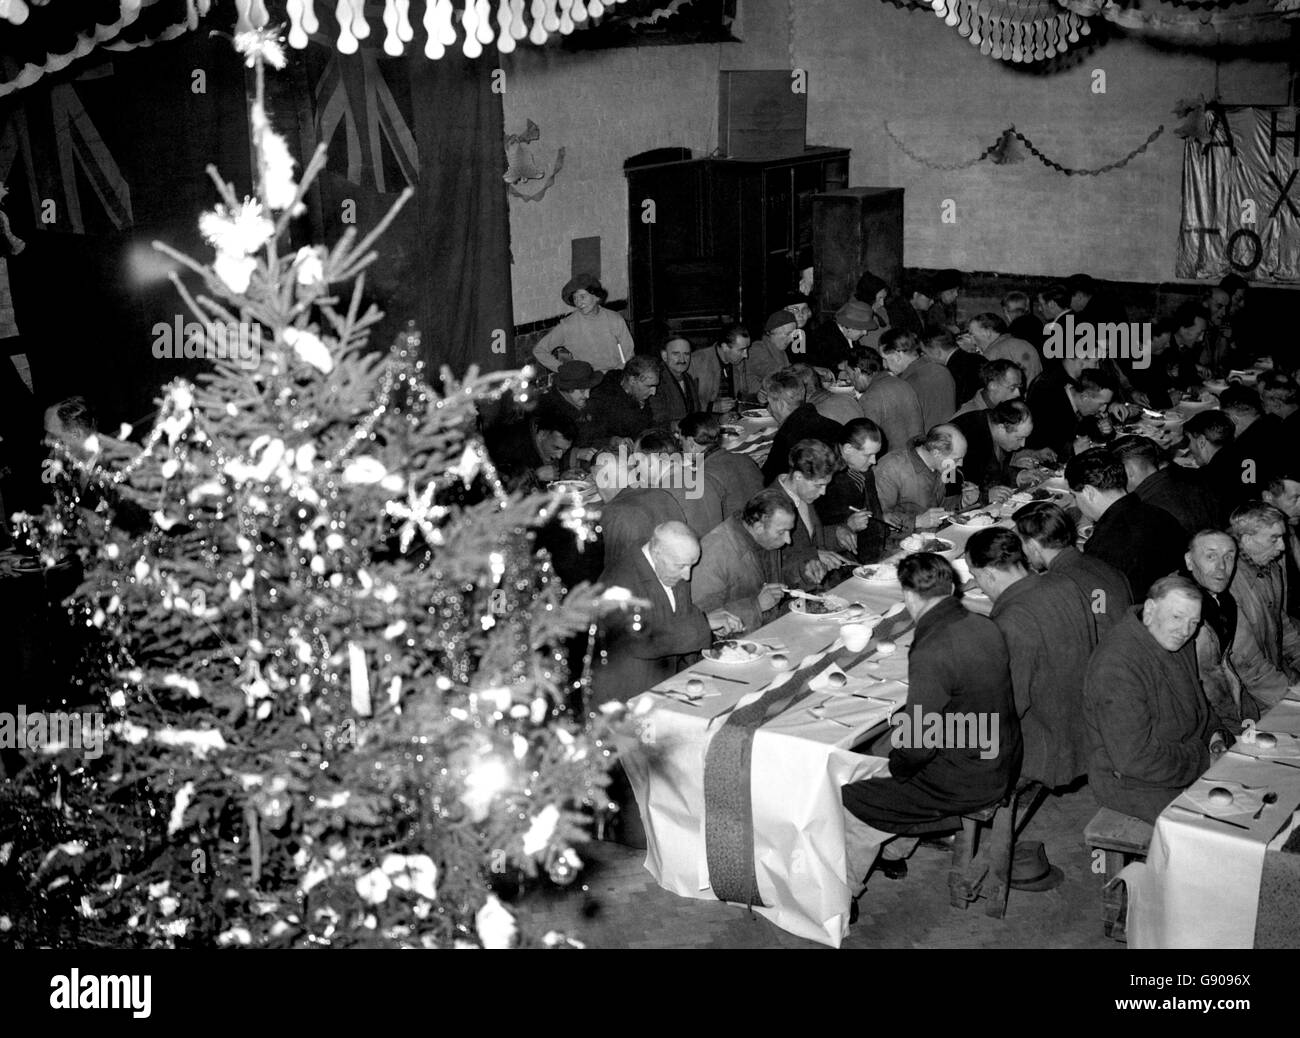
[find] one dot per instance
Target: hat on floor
(575, 374)
(1030, 869)
(856, 316)
(586, 282)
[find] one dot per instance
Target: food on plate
(1266, 740)
(758, 415)
(881, 572)
(1220, 796)
(817, 606)
(978, 519)
(922, 542)
(734, 652)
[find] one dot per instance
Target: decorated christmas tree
(332, 665)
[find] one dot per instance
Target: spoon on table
(1269, 798)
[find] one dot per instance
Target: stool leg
(1113, 900)
(1001, 839)
(963, 852)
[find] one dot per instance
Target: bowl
(1266, 740)
(856, 636)
(1220, 796)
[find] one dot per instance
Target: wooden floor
(616, 904)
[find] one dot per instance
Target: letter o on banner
(1256, 247)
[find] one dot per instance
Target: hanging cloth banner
(1241, 196)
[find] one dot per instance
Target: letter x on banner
(1241, 197)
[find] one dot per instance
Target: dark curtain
(86, 298)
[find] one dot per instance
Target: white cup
(856, 636)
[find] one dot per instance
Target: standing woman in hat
(590, 333)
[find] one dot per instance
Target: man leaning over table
(672, 630)
(958, 665)
(1150, 728)
(740, 560)
(811, 553)
(910, 481)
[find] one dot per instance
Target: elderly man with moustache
(1046, 622)
(621, 405)
(1049, 537)
(1266, 648)
(722, 372)
(740, 561)
(677, 394)
(671, 631)
(1211, 561)
(1151, 730)
(911, 480)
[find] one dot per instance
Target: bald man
(673, 628)
(910, 480)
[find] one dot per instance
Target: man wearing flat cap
(568, 396)
(833, 341)
(591, 333)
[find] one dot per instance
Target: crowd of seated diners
(1135, 625)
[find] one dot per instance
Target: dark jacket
(631, 517)
(958, 664)
(1142, 542)
(893, 405)
(1055, 419)
(706, 368)
(1187, 500)
(736, 476)
(673, 401)
(637, 660)
(826, 347)
(964, 367)
(836, 505)
(985, 463)
(552, 403)
(804, 423)
(1027, 327)
(1149, 724)
(1050, 633)
(615, 413)
(804, 543)
(1105, 587)
(1220, 680)
(935, 390)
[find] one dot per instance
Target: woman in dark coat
(958, 665)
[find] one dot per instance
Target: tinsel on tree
(331, 666)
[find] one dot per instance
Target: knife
(719, 677)
(1212, 818)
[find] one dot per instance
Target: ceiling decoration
(1034, 31)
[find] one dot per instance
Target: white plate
(758, 416)
(754, 650)
(838, 607)
(841, 389)
(878, 573)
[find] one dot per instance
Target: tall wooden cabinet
(855, 230)
(716, 240)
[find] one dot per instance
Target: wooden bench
(1122, 838)
(982, 867)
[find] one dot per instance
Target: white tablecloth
(1199, 887)
(799, 764)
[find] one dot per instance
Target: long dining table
(1223, 873)
(799, 758)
